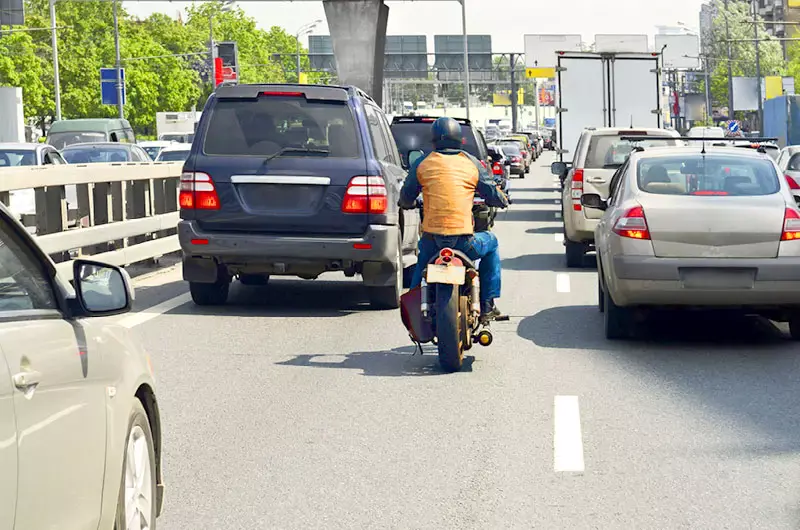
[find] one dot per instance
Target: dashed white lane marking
(558, 215)
(562, 283)
(567, 436)
(559, 238)
(152, 312)
(557, 201)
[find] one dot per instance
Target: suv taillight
(633, 224)
(365, 195)
(197, 192)
(497, 168)
(577, 189)
(791, 225)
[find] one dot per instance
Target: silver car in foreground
(80, 432)
(713, 227)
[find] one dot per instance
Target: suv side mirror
(102, 289)
(415, 155)
(593, 200)
(558, 168)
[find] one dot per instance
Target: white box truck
(176, 126)
(605, 90)
(12, 119)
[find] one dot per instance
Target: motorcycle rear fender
(468, 263)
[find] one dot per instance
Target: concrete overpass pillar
(358, 32)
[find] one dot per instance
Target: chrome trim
(280, 179)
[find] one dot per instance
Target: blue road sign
(108, 86)
(549, 122)
(733, 127)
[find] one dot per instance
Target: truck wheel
(574, 252)
(210, 293)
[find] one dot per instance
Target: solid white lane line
(567, 436)
(152, 312)
(558, 215)
(562, 283)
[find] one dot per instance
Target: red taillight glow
(633, 224)
(792, 183)
(199, 241)
(791, 225)
(362, 246)
(427, 120)
(446, 253)
(577, 189)
(197, 192)
(710, 192)
(497, 169)
(365, 195)
(281, 94)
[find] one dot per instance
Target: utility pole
(211, 48)
(730, 63)
(120, 108)
(466, 54)
(54, 42)
(758, 69)
(513, 63)
(536, 99)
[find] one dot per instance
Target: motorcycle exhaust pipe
(476, 293)
(423, 294)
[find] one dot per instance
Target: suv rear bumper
(378, 243)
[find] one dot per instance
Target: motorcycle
(445, 309)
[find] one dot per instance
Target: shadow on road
(535, 190)
(288, 298)
(397, 362)
(549, 200)
(546, 230)
(530, 216)
(742, 366)
(546, 262)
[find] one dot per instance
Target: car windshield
(60, 140)
(266, 126)
(608, 151)
(410, 136)
(173, 156)
(94, 155)
(186, 138)
(152, 151)
(710, 174)
(511, 150)
(17, 157)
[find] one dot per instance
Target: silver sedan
(713, 227)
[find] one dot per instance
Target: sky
(507, 20)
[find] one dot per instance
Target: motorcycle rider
(448, 178)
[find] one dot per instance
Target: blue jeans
(482, 245)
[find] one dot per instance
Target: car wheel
(136, 505)
(617, 320)
(794, 327)
(388, 297)
(254, 279)
(601, 301)
(210, 293)
(574, 252)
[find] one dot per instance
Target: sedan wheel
(136, 507)
(617, 320)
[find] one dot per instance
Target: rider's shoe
(489, 311)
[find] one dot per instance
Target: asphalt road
(297, 407)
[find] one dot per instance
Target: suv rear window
(417, 135)
(266, 125)
(610, 151)
(707, 175)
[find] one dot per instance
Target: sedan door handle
(25, 380)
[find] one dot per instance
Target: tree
(743, 49)
(21, 66)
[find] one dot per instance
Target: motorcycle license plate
(449, 274)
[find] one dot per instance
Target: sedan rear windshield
(91, 155)
(173, 156)
(411, 136)
(60, 140)
(714, 175)
(11, 157)
(293, 126)
(611, 151)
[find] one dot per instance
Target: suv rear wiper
(308, 150)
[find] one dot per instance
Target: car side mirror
(558, 168)
(797, 199)
(102, 289)
(415, 155)
(593, 200)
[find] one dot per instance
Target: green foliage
(743, 51)
(167, 67)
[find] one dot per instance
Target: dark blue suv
(294, 180)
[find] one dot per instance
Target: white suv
(598, 155)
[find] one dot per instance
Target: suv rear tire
(210, 293)
(574, 252)
(388, 297)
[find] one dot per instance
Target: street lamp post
(118, 64)
(54, 42)
(305, 29)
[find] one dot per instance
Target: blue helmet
(447, 134)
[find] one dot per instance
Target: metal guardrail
(125, 212)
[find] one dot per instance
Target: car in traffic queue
(105, 152)
(697, 226)
(528, 152)
(514, 149)
(80, 428)
(533, 141)
(294, 180)
(598, 155)
(153, 147)
(789, 163)
(413, 133)
(176, 152)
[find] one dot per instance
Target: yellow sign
(774, 85)
(503, 98)
(543, 73)
(303, 78)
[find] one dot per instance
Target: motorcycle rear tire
(448, 334)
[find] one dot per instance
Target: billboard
(12, 13)
(226, 62)
(621, 43)
(449, 58)
(540, 50)
(547, 94)
(320, 53)
(681, 52)
(406, 56)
